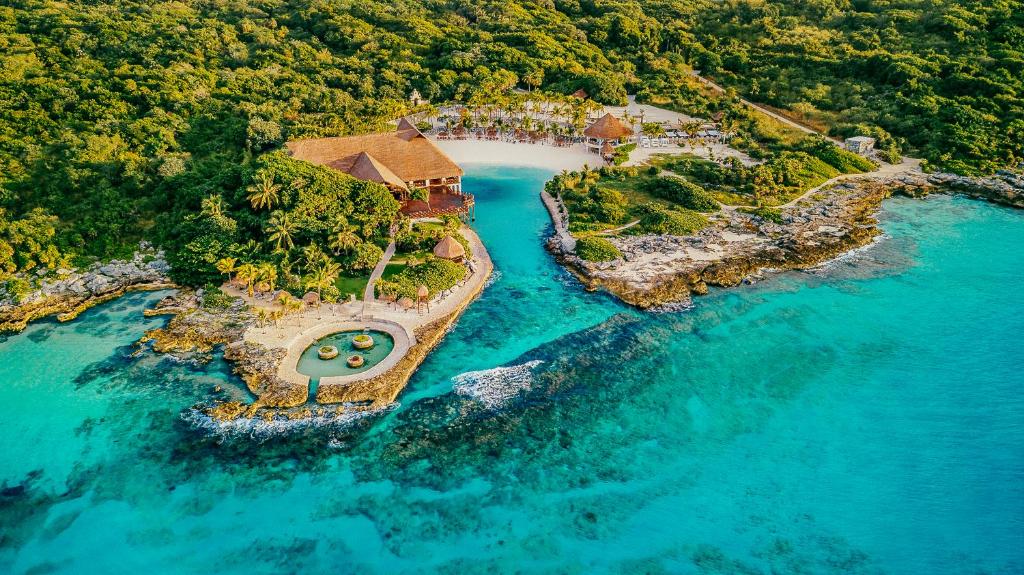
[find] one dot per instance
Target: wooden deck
(440, 204)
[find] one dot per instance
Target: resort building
(607, 130)
(862, 145)
(402, 160)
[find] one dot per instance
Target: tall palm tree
(323, 277)
(312, 255)
(343, 238)
(226, 266)
(212, 205)
(248, 274)
(267, 273)
(280, 228)
(262, 318)
(264, 192)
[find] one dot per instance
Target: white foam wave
(672, 307)
(845, 257)
(260, 429)
(495, 276)
(494, 387)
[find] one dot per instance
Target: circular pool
(310, 363)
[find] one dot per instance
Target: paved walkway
(370, 294)
(568, 243)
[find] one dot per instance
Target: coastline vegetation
(632, 199)
(126, 120)
(596, 249)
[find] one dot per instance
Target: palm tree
(226, 266)
(264, 192)
(343, 238)
(262, 318)
(212, 205)
(322, 278)
(267, 273)
(280, 229)
(311, 256)
(248, 274)
(294, 305)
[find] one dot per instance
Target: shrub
(435, 273)
(655, 219)
(622, 154)
(214, 298)
(595, 249)
(682, 192)
(765, 213)
(364, 257)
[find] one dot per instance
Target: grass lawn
(352, 285)
(393, 269)
(404, 257)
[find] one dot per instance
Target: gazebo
(450, 249)
(606, 130)
(311, 299)
(608, 152)
(422, 297)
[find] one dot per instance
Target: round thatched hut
(450, 249)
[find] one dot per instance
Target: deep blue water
(865, 417)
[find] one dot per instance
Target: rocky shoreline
(736, 247)
(1005, 187)
(656, 270)
(67, 293)
(196, 329)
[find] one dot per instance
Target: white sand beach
(512, 154)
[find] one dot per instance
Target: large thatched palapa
(606, 130)
(401, 160)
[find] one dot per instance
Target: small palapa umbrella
(449, 249)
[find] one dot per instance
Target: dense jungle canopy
(123, 120)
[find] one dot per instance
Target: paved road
(766, 111)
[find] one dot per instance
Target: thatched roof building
(449, 249)
(400, 159)
(608, 127)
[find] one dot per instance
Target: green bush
(595, 249)
(766, 213)
(364, 257)
(655, 219)
(214, 298)
(435, 273)
(622, 154)
(682, 192)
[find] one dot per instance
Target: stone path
(565, 239)
(369, 294)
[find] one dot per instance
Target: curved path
(369, 294)
(765, 111)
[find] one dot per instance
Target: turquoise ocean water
(865, 417)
